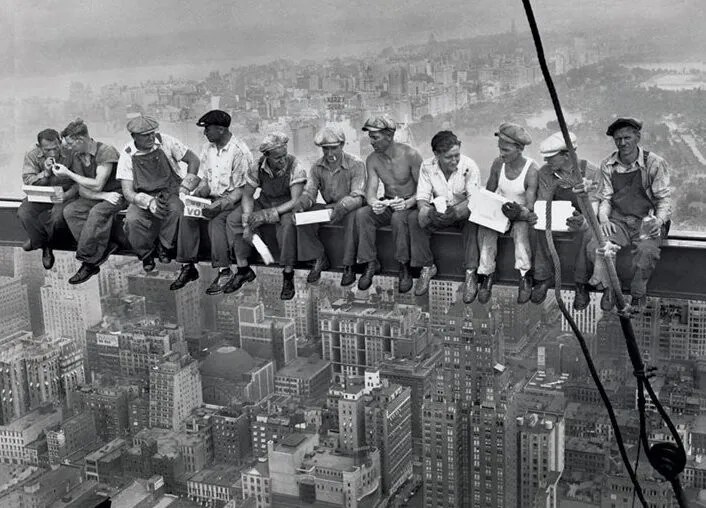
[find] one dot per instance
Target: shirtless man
(397, 166)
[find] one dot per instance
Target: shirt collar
(461, 168)
(614, 160)
(265, 167)
(345, 163)
(226, 147)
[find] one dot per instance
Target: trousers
(144, 229)
(420, 240)
(286, 236)
(488, 244)
(41, 221)
(309, 245)
(368, 224)
(189, 239)
(91, 223)
(543, 265)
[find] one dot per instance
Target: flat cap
(273, 140)
(142, 125)
(623, 121)
(214, 117)
(330, 135)
(514, 133)
(379, 123)
(77, 127)
(555, 144)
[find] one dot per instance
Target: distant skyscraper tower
(272, 338)
(24, 265)
(14, 306)
(587, 319)
(175, 390)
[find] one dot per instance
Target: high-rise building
(587, 319)
(307, 378)
(113, 277)
(301, 309)
(270, 337)
(109, 406)
(351, 418)
(231, 436)
(17, 263)
(227, 322)
(74, 434)
(175, 390)
(14, 306)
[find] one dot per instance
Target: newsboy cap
(623, 121)
(273, 140)
(214, 117)
(514, 133)
(329, 136)
(379, 123)
(142, 125)
(555, 144)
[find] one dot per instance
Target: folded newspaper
(193, 206)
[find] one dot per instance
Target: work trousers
(310, 247)
(368, 224)
(42, 222)
(91, 223)
(189, 239)
(645, 253)
(144, 229)
(543, 265)
(286, 233)
(420, 241)
(488, 245)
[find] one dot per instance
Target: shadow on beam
(681, 272)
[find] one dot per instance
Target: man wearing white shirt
(452, 177)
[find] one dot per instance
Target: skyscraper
(14, 306)
(175, 390)
(269, 337)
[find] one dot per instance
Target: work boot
(244, 274)
(638, 303)
(187, 274)
(470, 286)
(607, 300)
(539, 291)
(84, 273)
(486, 288)
(366, 280)
(287, 286)
(348, 276)
(148, 264)
(428, 273)
(216, 287)
(163, 254)
(27, 245)
(524, 291)
(404, 279)
(47, 258)
(320, 265)
(581, 297)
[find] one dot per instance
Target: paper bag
(312, 217)
(486, 210)
(561, 210)
(43, 193)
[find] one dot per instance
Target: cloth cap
(78, 126)
(273, 140)
(555, 144)
(142, 125)
(379, 123)
(623, 121)
(514, 133)
(214, 117)
(329, 136)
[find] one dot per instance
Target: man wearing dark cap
(513, 176)
(340, 177)
(152, 179)
(281, 178)
(552, 183)
(90, 217)
(635, 205)
(224, 162)
(397, 166)
(43, 221)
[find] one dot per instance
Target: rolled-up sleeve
(242, 165)
(252, 177)
(31, 170)
(605, 189)
(424, 186)
(172, 146)
(124, 171)
(311, 189)
(298, 174)
(472, 177)
(358, 176)
(661, 189)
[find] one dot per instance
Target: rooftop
(114, 445)
(44, 417)
(303, 368)
(225, 476)
(330, 460)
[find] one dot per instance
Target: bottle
(647, 225)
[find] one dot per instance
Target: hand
(338, 213)
(301, 205)
(575, 222)
(512, 210)
(112, 197)
(153, 206)
(655, 229)
(183, 191)
(608, 228)
(379, 206)
(586, 186)
(266, 216)
(398, 204)
(60, 170)
(49, 165)
(212, 210)
(248, 233)
(532, 218)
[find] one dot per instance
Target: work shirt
(296, 175)
(96, 154)
(33, 167)
(546, 178)
(460, 185)
(346, 181)
(174, 149)
(654, 176)
(224, 169)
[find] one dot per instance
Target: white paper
(440, 204)
(43, 193)
(561, 210)
(193, 206)
(262, 249)
(312, 217)
(486, 210)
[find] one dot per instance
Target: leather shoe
(237, 280)
(47, 258)
(366, 280)
(148, 264)
(524, 291)
(486, 288)
(427, 273)
(287, 287)
(582, 297)
(163, 254)
(84, 273)
(470, 286)
(27, 245)
(320, 265)
(348, 276)
(539, 291)
(219, 282)
(187, 274)
(607, 300)
(405, 279)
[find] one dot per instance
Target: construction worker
(281, 178)
(340, 178)
(151, 180)
(552, 183)
(90, 217)
(396, 165)
(635, 206)
(43, 221)
(453, 177)
(225, 160)
(513, 176)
